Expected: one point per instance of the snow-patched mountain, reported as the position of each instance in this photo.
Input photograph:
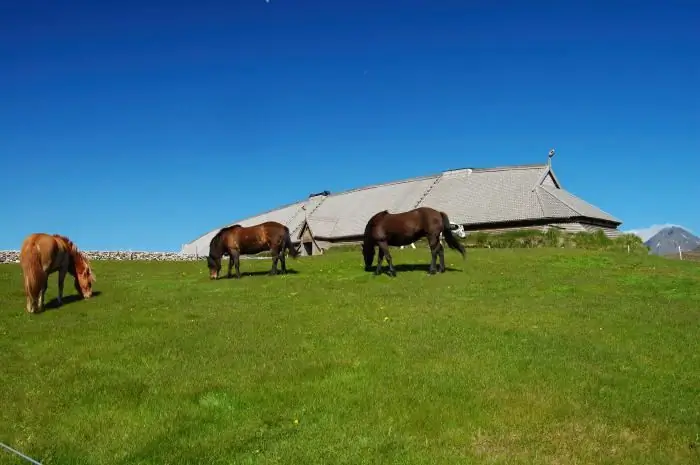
(667, 240)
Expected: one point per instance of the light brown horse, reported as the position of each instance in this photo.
(237, 240)
(43, 254)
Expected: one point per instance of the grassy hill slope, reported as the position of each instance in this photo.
(517, 356)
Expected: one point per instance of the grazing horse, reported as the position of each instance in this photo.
(43, 254)
(386, 229)
(237, 240)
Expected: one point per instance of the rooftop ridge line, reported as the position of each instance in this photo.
(371, 186)
(439, 174)
(568, 205)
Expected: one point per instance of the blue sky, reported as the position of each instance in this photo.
(144, 124)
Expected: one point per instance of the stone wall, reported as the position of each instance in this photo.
(12, 256)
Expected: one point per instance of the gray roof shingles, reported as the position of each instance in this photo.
(468, 196)
(350, 211)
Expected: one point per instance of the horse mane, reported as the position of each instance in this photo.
(372, 221)
(216, 241)
(77, 255)
(377, 216)
(68, 244)
(226, 229)
(221, 232)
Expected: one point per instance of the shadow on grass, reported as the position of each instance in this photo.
(424, 267)
(193, 437)
(67, 299)
(245, 274)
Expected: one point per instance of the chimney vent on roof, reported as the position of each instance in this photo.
(325, 193)
(457, 173)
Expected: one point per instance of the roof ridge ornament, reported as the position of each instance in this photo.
(457, 172)
(549, 157)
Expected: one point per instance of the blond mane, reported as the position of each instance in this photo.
(77, 254)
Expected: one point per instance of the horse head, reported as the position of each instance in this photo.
(216, 251)
(84, 276)
(214, 265)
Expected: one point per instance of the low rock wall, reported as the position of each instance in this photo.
(12, 256)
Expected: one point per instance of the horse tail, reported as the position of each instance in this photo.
(449, 237)
(288, 244)
(34, 275)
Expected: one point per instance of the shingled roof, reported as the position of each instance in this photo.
(471, 197)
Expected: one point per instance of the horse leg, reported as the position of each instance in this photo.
(230, 266)
(441, 251)
(434, 242)
(283, 261)
(384, 247)
(61, 279)
(31, 303)
(32, 294)
(275, 257)
(42, 294)
(380, 258)
(235, 257)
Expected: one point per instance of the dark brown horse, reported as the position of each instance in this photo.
(237, 240)
(386, 229)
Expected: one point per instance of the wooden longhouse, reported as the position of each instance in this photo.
(480, 199)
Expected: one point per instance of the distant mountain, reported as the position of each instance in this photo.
(646, 233)
(667, 240)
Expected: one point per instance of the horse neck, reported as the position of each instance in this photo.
(77, 260)
(216, 248)
(380, 216)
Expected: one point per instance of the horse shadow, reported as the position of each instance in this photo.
(67, 299)
(425, 267)
(251, 274)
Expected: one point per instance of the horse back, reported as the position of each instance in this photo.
(53, 251)
(405, 223)
(406, 227)
(257, 238)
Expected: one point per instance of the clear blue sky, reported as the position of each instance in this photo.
(142, 124)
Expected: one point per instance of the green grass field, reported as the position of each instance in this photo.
(518, 356)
